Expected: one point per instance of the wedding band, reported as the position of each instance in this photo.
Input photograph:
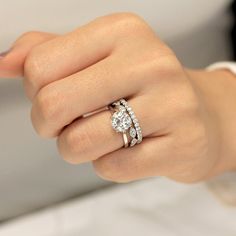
(136, 132)
(126, 140)
(123, 120)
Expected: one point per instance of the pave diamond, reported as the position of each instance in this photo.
(133, 116)
(133, 142)
(122, 108)
(132, 132)
(121, 121)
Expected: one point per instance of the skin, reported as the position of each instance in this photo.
(186, 117)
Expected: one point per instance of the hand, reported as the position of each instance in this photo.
(119, 56)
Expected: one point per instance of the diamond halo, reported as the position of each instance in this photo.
(121, 121)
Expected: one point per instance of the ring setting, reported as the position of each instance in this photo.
(121, 121)
(124, 120)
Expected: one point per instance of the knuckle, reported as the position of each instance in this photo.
(63, 147)
(187, 102)
(164, 64)
(123, 22)
(63, 150)
(78, 142)
(184, 101)
(125, 17)
(160, 65)
(129, 21)
(39, 126)
(48, 104)
(33, 71)
(28, 35)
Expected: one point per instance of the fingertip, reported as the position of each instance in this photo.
(12, 60)
(11, 63)
(4, 54)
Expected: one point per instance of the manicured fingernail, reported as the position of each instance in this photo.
(3, 54)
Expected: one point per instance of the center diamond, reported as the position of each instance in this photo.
(121, 121)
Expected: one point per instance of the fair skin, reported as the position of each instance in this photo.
(187, 118)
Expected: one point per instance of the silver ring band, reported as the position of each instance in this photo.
(126, 140)
(138, 137)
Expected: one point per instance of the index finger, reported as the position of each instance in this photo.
(73, 52)
(12, 61)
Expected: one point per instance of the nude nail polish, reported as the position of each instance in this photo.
(3, 54)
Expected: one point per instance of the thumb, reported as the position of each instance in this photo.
(12, 61)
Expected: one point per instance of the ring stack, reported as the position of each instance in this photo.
(123, 120)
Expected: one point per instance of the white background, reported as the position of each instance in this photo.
(31, 173)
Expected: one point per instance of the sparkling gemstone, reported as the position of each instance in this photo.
(132, 132)
(121, 121)
(122, 108)
(133, 142)
(133, 116)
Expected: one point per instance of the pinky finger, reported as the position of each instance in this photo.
(147, 159)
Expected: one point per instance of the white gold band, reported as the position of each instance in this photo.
(135, 132)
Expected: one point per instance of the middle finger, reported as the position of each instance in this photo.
(61, 102)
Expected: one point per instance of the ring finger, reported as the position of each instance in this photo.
(89, 138)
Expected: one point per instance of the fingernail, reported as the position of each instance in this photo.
(3, 54)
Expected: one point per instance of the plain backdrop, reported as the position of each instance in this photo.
(32, 175)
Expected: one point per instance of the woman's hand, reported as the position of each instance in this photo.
(186, 137)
